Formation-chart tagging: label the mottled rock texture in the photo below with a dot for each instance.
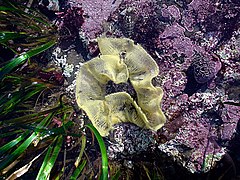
(196, 46)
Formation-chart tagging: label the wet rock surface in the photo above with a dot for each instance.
(196, 46)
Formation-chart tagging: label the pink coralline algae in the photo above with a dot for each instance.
(174, 42)
(171, 12)
(137, 20)
(198, 139)
(230, 116)
(174, 30)
(202, 8)
(197, 12)
(231, 50)
(174, 82)
(201, 130)
(95, 12)
(184, 64)
(199, 127)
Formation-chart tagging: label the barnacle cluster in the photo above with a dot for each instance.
(121, 61)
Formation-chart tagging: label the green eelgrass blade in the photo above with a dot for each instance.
(117, 175)
(5, 36)
(78, 170)
(41, 48)
(15, 154)
(56, 131)
(10, 82)
(12, 64)
(35, 27)
(33, 117)
(12, 143)
(20, 96)
(83, 145)
(104, 175)
(146, 171)
(50, 159)
(20, 59)
(7, 134)
(21, 12)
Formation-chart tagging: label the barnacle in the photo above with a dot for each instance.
(120, 61)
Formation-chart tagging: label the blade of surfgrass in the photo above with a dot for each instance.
(19, 11)
(33, 117)
(146, 171)
(13, 143)
(80, 167)
(117, 175)
(50, 158)
(28, 29)
(104, 175)
(83, 145)
(5, 36)
(18, 97)
(42, 131)
(9, 133)
(56, 131)
(23, 57)
(20, 149)
(78, 170)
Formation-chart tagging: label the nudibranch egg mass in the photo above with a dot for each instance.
(120, 61)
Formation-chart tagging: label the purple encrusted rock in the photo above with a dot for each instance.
(201, 127)
(174, 30)
(196, 13)
(96, 12)
(174, 82)
(202, 8)
(230, 117)
(171, 12)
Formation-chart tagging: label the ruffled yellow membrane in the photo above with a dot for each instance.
(120, 60)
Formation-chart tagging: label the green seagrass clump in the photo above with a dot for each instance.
(121, 61)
